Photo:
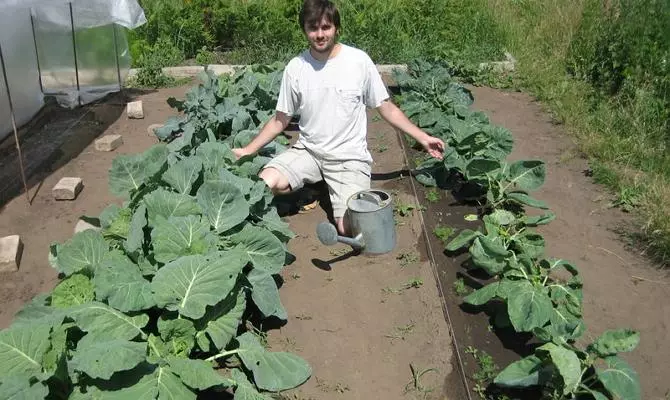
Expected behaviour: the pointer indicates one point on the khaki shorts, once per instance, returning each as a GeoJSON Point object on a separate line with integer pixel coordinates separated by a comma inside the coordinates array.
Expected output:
{"type": "Point", "coordinates": [344, 178]}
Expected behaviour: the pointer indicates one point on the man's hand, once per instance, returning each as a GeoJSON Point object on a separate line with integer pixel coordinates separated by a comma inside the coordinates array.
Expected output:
{"type": "Point", "coordinates": [433, 145]}
{"type": "Point", "coordinates": [241, 152]}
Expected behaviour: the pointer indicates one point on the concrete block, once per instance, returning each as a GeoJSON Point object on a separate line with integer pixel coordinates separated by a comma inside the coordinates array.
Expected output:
{"type": "Point", "coordinates": [188, 71]}
{"type": "Point", "coordinates": [135, 110]}
{"type": "Point", "coordinates": [67, 188]}
{"type": "Point", "coordinates": [11, 249]}
{"type": "Point", "coordinates": [108, 142]}
{"type": "Point", "coordinates": [83, 225]}
{"type": "Point", "coordinates": [223, 69]}
{"type": "Point", "coordinates": [152, 128]}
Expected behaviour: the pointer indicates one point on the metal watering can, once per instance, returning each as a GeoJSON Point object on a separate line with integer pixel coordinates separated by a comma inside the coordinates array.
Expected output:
{"type": "Point", "coordinates": [370, 216]}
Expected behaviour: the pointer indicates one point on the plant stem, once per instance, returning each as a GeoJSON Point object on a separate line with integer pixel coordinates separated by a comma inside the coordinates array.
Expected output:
{"type": "Point", "coordinates": [224, 354]}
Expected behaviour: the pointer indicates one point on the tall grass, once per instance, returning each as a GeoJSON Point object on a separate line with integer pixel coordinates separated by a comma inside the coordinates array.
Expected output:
{"type": "Point", "coordinates": [577, 57]}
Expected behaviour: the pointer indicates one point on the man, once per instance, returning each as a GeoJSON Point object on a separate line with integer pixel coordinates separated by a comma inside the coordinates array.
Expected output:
{"type": "Point", "coordinates": [329, 86]}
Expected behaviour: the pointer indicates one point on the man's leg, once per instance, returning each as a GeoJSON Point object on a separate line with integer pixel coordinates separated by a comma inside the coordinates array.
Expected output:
{"type": "Point", "coordinates": [344, 179]}
{"type": "Point", "coordinates": [290, 170]}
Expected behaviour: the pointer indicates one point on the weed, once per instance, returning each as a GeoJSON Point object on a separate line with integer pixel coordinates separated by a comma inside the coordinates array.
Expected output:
{"type": "Point", "coordinates": [407, 257]}
{"type": "Point", "coordinates": [382, 148]}
{"type": "Point", "coordinates": [295, 275]}
{"type": "Point", "coordinates": [400, 332]}
{"type": "Point", "coordinates": [433, 195]}
{"type": "Point", "coordinates": [339, 251]}
{"type": "Point", "coordinates": [326, 386]}
{"type": "Point", "coordinates": [460, 288]}
{"type": "Point", "coordinates": [303, 317]}
{"type": "Point", "coordinates": [443, 233]}
{"type": "Point", "coordinates": [415, 383]}
{"type": "Point", "coordinates": [376, 118]}
{"type": "Point", "coordinates": [487, 370]}
{"type": "Point", "coordinates": [412, 283]}
{"type": "Point", "coordinates": [404, 209]}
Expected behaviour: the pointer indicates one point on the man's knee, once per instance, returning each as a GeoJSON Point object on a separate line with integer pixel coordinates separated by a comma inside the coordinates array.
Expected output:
{"type": "Point", "coordinates": [275, 180]}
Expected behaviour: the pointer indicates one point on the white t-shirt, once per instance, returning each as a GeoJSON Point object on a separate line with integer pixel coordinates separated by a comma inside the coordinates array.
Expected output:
{"type": "Point", "coordinates": [331, 98]}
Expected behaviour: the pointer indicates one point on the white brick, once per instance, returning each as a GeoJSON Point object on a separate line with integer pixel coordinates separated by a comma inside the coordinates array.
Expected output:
{"type": "Point", "coordinates": [188, 71]}
{"type": "Point", "coordinates": [135, 110]}
{"type": "Point", "coordinates": [67, 188]}
{"type": "Point", "coordinates": [108, 142]}
{"type": "Point", "coordinates": [83, 225]}
{"type": "Point", "coordinates": [223, 69]}
{"type": "Point", "coordinates": [152, 128]}
{"type": "Point", "coordinates": [11, 249]}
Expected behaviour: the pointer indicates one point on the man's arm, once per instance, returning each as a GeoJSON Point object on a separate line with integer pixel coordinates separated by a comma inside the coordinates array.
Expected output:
{"type": "Point", "coordinates": [275, 125]}
{"type": "Point", "coordinates": [394, 116]}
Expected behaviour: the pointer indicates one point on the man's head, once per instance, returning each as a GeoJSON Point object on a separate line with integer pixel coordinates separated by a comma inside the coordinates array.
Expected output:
{"type": "Point", "coordinates": [320, 21]}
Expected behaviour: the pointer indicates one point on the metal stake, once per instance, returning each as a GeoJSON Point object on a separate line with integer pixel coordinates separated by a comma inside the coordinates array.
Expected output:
{"type": "Point", "coordinates": [37, 55]}
{"type": "Point", "coordinates": [16, 134]}
{"type": "Point", "coordinates": [74, 48]}
{"type": "Point", "coordinates": [116, 55]}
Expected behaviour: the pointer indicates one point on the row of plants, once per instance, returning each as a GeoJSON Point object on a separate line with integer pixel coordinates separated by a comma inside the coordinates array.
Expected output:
{"type": "Point", "coordinates": [164, 300]}
{"type": "Point", "coordinates": [528, 291]}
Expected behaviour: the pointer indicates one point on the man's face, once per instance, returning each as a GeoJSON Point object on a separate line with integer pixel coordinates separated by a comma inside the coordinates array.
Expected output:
{"type": "Point", "coordinates": [321, 36]}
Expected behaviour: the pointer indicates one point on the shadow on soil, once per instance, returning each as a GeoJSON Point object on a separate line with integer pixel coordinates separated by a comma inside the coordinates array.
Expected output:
{"type": "Point", "coordinates": [55, 136]}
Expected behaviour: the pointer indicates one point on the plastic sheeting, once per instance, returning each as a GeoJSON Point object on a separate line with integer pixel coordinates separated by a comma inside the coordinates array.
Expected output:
{"type": "Point", "coordinates": [42, 61]}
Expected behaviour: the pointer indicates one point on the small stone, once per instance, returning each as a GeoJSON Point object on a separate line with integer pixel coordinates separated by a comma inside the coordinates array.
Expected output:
{"type": "Point", "coordinates": [108, 142]}
{"type": "Point", "coordinates": [151, 130]}
{"type": "Point", "coordinates": [11, 249]}
{"type": "Point", "coordinates": [134, 110]}
{"type": "Point", "coordinates": [67, 188]}
{"type": "Point", "coordinates": [83, 226]}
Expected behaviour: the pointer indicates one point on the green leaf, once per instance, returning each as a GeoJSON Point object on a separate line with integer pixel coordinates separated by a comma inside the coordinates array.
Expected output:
{"type": "Point", "coordinates": [257, 192]}
{"type": "Point", "coordinates": [169, 204]}
{"type": "Point", "coordinates": [272, 221]}
{"type": "Point", "coordinates": [191, 283]}
{"type": "Point", "coordinates": [620, 379]}
{"type": "Point", "coordinates": [197, 374]}
{"type": "Point", "coordinates": [528, 308]}
{"type": "Point", "coordinates": [273, 371]}
{"type": "Point", "coordinates": [266, 294]}
{"type": "Point", "coordinates": [502, 217]}
{"type": "Point", "coordinates": [85, 250]}
{"type": "Point", "coordinates": [567, 363]}
{"type": "Point", "coordinates": [105, 323]}
{"type": "Point", "coordinates": [215, 155]}
{"type": "Point", "coordinates": [539, 219]}
{"type": "Point", "coordinates": [136, 230]}
{"type": "Point", "coordinates": [219, 324]}
{"type": "Point", "coordinates": [75, 290]}
{"type": "Point", "coordinates": [522, 373]}
{"type": "Point", "coordinates": [223, 203]}
{"type": "Point", "coordinates": [482, 296]}
{"type": "Point", "coordinates": [160, 384]}
{"type": "Point", "coordinates": [478, 169]}
{"type": "Point", "coordinates": [264, 250]}
{"type": "Point", "coordinates": [131, 171]}
{"type": "Point", "coordinates": [22, 350]}
{"type": "Point", "coordinates": [527, 174]}
{"type": "Point", "coordinates": [181, 236]}
{"type": "Point", "coordinates": [20, 388]}
{"type": "Point", "coordinates": [183, 174]}
{"type": "Point", "coordinates": [464, 238]}
{"type": "Point", "coordinates": [489, 254]}
{"type": "Point", "coordinates": [119, 225]}
{"type": "Point", "coordinates": [178, 335]}
{"type": "Point", "coordinates": [523, 198]}
{"type": "Point", "coordinates": [531, 244]}
{"type": "Point", "coordinates": [615, 341]}
{"type": "Point", "coordinates": [121, 284]}
{"type": "Point", "coordinates": [245, 390]}
{"type": "Point", "coordinates": [243, 184]}
{"type": "Point", "coordinates": [102, 359]}
{"type": "Point", "coordinates": [36, 312]}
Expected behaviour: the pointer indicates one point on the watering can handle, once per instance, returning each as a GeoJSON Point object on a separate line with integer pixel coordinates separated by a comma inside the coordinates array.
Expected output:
{"type": "Point", "coordinates": [371, 197]}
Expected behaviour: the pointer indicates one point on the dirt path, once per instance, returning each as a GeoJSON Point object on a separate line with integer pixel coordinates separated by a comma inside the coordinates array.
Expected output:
{"type": "Point", "coordinates": [582, 233]}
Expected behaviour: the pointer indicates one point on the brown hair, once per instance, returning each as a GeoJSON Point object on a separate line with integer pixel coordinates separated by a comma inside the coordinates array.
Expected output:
{"type": "Point", "coordinates": [314, 10]}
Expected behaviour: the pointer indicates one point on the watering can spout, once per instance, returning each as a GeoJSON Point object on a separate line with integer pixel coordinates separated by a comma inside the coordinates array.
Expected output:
{"type": "Point", "coordinates": [327, 234]}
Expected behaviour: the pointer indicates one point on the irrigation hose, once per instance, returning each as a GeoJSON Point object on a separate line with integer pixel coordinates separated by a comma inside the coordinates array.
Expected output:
{"type": "Point", "coordinates": [433, 264]}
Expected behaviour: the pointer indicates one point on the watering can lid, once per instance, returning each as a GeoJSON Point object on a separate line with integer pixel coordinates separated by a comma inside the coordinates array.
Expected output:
{"type": "Point", "coordinates": [368, 200]}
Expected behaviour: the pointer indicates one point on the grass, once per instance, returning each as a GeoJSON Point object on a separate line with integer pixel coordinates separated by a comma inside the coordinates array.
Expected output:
{"type": "Point", "coordinates": [623, 136]}
{"type": "Point", "coordinates": [407, 258]}
{"type": "Point", "coordinates": [486, 372]}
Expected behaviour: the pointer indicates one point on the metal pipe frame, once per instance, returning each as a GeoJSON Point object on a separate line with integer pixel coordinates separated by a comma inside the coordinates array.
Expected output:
{"type": "Point", "coordinates": [74, 48]}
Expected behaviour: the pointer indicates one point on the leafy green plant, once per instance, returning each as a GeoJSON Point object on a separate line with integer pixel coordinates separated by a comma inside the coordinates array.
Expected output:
{"type": "Point", "coordinates": [443, 232]}
{"type": "Point", "coordinates": [160, 300]}
{"type": "Point", "coordinates": [433, 195]}
{"type": "Point", "coordinates": [460, 288]}
{"type": "Point", "coordinates": [565, 371]}
{"type": "Point", "coordinates": [205, 56]}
